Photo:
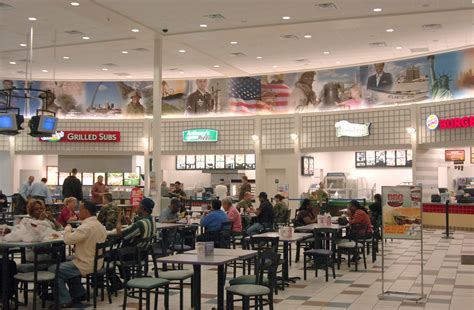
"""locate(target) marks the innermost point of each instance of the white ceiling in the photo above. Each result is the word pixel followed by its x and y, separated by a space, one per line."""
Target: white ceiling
pixel 256 25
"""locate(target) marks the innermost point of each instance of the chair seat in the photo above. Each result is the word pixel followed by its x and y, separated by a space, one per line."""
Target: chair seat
pixel 185 247
pixel 318 252
pixel 30 267
pixel 176 274
pixel 30 276
pixel 349 245
pixel 247 279
pixel 147 283
pixel 249 290
pixel 342 241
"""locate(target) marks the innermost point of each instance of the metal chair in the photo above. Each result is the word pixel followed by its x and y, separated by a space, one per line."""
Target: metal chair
pixel 323 251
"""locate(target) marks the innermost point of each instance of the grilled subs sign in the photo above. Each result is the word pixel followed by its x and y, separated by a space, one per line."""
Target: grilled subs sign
pixel 83 136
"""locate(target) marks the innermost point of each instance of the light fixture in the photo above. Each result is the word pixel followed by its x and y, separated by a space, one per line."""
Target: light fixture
pixel 181 72
pixel 23 45
pixel 410 130
pixel 233 42
pixel 124 52
pixel 307 36
pixel 12 63
pixel 398 47
pixel 105 69
pixel 326 53
pixel 129 76
pixel 377 10
pixel 259 57
pixel 135 30
pixel 203 25
pixel 255 138
pixel 44 71
pixel 182 51
pixel 216 66
pixel 86 38
pixel 75 3
pixel 294 136
pixel 286 17
pixel 389 30
pixel 32 19
pixel 338 62
pixel 66 57
pixel 275 66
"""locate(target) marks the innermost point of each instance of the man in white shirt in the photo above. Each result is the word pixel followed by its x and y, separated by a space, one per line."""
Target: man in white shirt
pixel 40 191
pixel 85 238
pixel 23 198
pixel 221 190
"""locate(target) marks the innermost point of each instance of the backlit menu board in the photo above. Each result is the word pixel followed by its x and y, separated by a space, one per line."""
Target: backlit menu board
pixel 216 162
pixel 87 178
pixel 52 175
pixel 454 155
pixel 115 178
pixel 131 179
pixel 307 165
pixel 390 158
pixel 62 177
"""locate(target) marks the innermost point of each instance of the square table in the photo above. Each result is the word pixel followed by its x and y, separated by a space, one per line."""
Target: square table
pixel 311 227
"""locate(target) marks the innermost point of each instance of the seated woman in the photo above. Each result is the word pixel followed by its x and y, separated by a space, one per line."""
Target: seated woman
pixel 280 209
pixel 306 214
pixel 39 216
pixel 358 214
pixel 68 212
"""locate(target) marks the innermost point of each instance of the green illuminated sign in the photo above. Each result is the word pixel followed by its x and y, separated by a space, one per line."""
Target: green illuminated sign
pixel 200 135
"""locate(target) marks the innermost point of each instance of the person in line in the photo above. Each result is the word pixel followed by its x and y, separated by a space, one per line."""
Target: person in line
pixel 3 201
pixel 84 238
pixel 306 214
pixel 281 209
pixel 212 222
pixel 165 191
pixel 221 190
pixel 244 187
pixel 39 190
pixel 265 216
pixel 108 213
pixel 376 211
pixel 320 195
pixel 68 211
pixel 170 214
pixel 178 191
pixel 98 190
pixel 233 215
pixel 245 205
pixel 72 186
pixel 143 227
pixel 358 214
pixel 23 197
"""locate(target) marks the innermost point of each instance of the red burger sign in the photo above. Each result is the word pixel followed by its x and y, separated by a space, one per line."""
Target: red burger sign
pixel 395 200
pixel 433 122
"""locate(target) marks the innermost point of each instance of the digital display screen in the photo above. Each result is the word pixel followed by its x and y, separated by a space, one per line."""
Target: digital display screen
pixel 131 179
pixel 115 178
pixel 47 124
pixel 7 122
pixel 87 178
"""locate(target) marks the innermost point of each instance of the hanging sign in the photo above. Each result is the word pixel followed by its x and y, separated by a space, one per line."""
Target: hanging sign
pixel 83 136
pixel 454 155
pixel 434 122
pixel 200 135
pixel 401 212
pixel 348 129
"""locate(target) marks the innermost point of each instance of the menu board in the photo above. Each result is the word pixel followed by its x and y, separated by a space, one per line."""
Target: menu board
pixel 220 162
pixel 454 155
pixel 98 174
pixel 230 161
pixel 200 162
pixel 131 179
pixel 87 178
pixel 180 162
pixel 250 161
pixel 216 162
pixel 391 158
pixel 210 161
pixel 62 177
pixel 240 161
pixel 115 178
pixel 190 162
pixel 52 175
pixel 307 165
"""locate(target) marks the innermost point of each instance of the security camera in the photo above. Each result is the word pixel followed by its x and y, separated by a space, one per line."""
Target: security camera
pixel 165 30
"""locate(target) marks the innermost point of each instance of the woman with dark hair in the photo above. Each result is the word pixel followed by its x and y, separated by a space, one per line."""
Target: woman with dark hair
pixel 306 214
pixel 358 214
pixel 376 210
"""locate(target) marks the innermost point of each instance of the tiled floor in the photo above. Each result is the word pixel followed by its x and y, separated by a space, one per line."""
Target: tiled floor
pixel 447 283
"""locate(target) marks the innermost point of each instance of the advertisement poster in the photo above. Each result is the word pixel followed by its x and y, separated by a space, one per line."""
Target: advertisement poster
pixel 283 189
pixel 401 215
pixel 454 155
pixel 439 77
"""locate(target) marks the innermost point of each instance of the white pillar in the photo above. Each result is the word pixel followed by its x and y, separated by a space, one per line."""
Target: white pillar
pixel 156 125
pixel 414 142
pixel 295 176
pixel 146 156
pixel 259 168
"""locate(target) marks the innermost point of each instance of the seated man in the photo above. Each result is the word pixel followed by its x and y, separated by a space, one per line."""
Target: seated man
pixel 245 205
pixel 170 214
pixel 233 215
pixel 212 222
pixel 265 216
pixel 108 213
pixel 85 237
pixel 143 227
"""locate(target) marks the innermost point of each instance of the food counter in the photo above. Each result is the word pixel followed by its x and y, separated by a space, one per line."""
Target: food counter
pixel 461 216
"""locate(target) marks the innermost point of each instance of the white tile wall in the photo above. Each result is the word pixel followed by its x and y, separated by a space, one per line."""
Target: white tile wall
pixel 276 133
pixel 4 143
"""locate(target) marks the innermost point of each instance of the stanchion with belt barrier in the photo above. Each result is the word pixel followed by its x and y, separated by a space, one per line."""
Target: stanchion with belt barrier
pixel 447 221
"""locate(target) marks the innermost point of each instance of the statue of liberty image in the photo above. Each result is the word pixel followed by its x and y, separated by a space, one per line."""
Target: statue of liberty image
pixel 439 86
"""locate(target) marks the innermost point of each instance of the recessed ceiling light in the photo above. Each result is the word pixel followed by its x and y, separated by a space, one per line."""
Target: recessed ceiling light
pixel 216 66
pixel 86 38
pixel 65 57
pixel 233 42
pixel 182 51
pixel 326 53
pixel 105 69
pixel 12 63
pixel 377 10
pixel 338 62
pixel 44 71
pixel 181 72
pixel 398 47
pixel 286 17
pixel 307 36
pixel 275 66
pixel 129 76
pixel 389 30
pixel 259 57
pixel 124 52
pixel 75 3
pixel 23 45
pixel 203 26
pixel 135 30
pixel 32 19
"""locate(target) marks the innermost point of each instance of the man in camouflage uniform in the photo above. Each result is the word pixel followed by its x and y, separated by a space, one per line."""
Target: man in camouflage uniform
pixel 108 213
pixel 245 205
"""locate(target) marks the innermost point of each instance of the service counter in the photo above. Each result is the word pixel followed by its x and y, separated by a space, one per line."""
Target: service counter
pixel 461 216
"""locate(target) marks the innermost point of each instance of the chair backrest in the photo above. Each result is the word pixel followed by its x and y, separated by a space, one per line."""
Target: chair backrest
pixel 325 238
pixel 264 243
pixel 103 253
pixel 55 253
pixel 129 262
pixel 358 231
pixel 267 264
pixel 225 234
pixel 187 235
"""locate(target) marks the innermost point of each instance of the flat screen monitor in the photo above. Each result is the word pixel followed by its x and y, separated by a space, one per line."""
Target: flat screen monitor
pixel 87 178
pixel 131 179
pixel 115 178
pixel 8 122
pixel 442 190
pixel 209 190
pixel 47 124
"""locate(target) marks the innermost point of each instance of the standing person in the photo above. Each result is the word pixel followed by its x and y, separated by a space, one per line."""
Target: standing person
pixel 376 211
pixel 232 214
pixel 165 191
pixel 72 186
pixel 244 187
pixel 320 195
pixel 40 191
pixel 108 213
pixel 3 201
pixel 85 238
pixel 281 209
pixel 380 80
pixel 178 191
pixel 265 216
pixel 98 190
pixel 23 197
pixel 200 101
pixel 68 211
pixel 143 227
pixel 221 190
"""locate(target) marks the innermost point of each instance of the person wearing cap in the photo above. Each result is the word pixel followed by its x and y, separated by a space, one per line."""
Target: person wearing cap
pixel 265 216
pixel 85 238
pixel 135 108
pixel 143 227
pixel 170 214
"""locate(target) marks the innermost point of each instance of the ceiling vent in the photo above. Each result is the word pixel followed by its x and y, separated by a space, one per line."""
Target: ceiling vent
pixel 141 49
pixel 175 69
pixel 419 49
pixel 238 54
pixel 432 26
pixel 303 60
pixel 327 6
pixel 5 6
pixel 110 65
pixel 122 74
pixel 378 44
pixel 73 32
pixel 216 16
pixel 21 72
pixel 289 37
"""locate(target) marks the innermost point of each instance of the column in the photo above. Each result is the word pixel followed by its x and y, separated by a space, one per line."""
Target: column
pixel 295 176
pixel 414 141
pixel 259 167
pixel 146 156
